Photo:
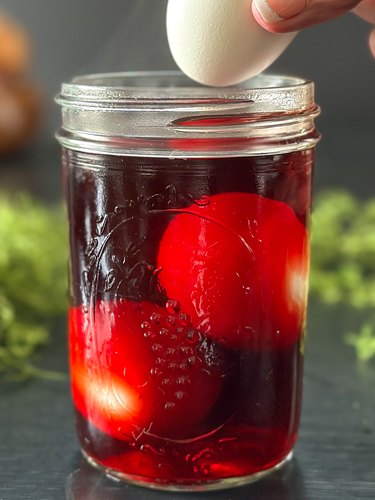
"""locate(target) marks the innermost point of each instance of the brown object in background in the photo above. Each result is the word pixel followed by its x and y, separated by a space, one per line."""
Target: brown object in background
pixel 19 98
pixel 19 113
pixel 14 47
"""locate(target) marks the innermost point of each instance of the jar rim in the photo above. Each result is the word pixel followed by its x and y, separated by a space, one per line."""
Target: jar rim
pixel 163 88
pixel 164 113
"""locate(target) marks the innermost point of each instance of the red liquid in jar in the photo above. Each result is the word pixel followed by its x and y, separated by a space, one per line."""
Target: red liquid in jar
pixel 176 383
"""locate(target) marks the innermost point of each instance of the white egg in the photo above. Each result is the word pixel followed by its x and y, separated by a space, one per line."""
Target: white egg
pixel 218 42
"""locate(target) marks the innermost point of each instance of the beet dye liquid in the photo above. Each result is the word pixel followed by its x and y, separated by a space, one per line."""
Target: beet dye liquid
pixel 188 299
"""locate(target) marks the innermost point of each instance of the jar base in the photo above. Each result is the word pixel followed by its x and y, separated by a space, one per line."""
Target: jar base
pixel 199 486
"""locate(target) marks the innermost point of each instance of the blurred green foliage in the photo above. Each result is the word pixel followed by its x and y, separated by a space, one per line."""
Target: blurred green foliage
pixel 343 250
pixel 33 272
pixel 343 260
pixel 33 276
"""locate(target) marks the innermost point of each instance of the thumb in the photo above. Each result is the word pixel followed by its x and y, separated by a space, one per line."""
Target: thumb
pixel 366 10
pixel 281 16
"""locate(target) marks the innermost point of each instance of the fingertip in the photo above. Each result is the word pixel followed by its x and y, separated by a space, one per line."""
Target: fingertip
pixel 269 20
pixel 372 42
pixel 264 12
pixel 258 18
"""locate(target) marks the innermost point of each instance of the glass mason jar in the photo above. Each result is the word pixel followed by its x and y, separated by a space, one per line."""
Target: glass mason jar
pixel 189 213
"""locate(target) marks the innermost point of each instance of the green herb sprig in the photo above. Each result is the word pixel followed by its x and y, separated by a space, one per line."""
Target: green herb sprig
pixel 33 280
pixel 343 260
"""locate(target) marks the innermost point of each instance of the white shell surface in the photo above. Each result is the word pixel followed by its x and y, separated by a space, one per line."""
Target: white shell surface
pixel 218 42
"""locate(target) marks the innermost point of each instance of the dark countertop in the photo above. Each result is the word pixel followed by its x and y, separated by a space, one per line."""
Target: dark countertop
pixel 334 457
pixel 335 453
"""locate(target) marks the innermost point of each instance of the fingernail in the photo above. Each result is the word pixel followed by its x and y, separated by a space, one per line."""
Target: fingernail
pixel 275 11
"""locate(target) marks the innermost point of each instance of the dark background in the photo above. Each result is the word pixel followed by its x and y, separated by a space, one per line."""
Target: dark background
pixel 75 37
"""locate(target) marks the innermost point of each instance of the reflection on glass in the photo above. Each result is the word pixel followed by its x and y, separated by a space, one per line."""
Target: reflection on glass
pixel 87 483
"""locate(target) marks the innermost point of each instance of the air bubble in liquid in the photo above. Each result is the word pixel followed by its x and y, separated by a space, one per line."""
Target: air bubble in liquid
pixel 179 395
pixel 184 319
pixel 156 318
pixel 193 336
pixel 169 405
pixel 172 306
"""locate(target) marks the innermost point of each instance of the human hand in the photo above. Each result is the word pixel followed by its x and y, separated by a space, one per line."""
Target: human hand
pixel 281 16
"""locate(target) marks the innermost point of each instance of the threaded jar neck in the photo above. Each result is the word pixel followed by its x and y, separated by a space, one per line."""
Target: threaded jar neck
pixel 164 114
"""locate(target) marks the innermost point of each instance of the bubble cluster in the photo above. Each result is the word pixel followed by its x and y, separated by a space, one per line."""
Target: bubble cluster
pixel 180 352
